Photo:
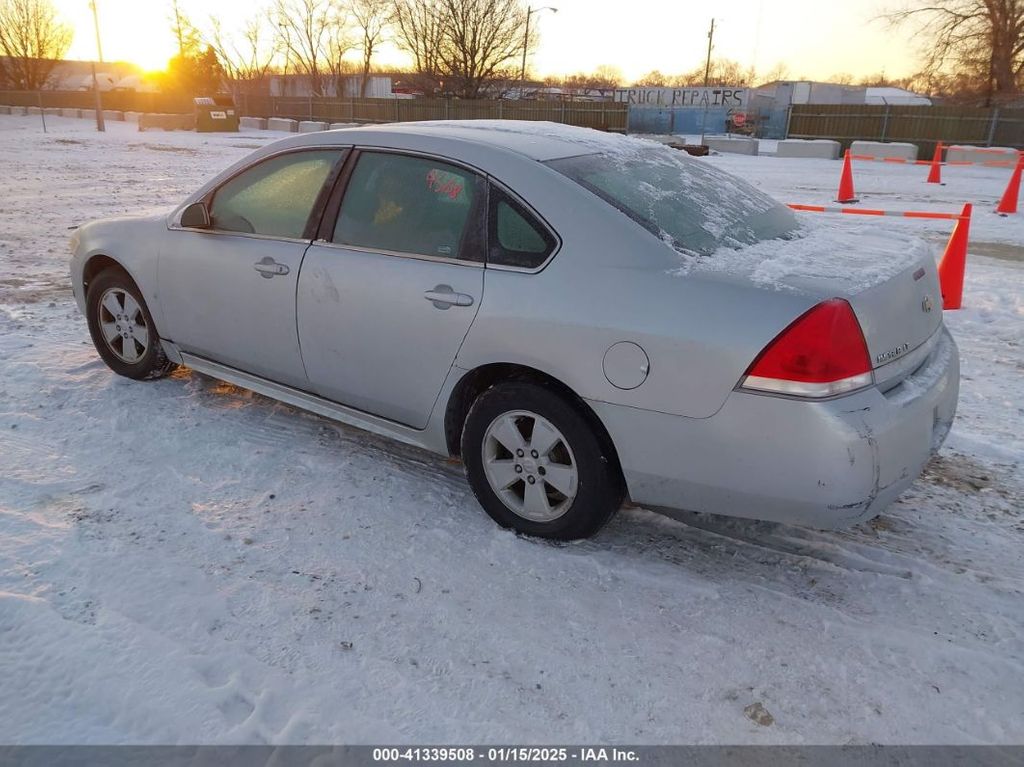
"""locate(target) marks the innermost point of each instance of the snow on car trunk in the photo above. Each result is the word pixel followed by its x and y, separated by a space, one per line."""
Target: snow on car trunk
pixel 890 279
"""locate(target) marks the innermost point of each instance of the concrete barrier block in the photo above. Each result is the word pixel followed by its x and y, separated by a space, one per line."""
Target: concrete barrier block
pixel 282 124
pixel 253 123
pixel 4 110
pixel 34 110
pixel 339 126
pixel 312 126
pixel 822 149
pixel 66 112
pixel 732 144
pixel 19 111
pixel 978 154
pixel 87 114
pixel 52 111
pixel 113 115
pixel 132 117
pixel 885 149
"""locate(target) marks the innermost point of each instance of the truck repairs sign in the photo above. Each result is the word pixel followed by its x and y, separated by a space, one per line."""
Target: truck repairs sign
pixel 719 96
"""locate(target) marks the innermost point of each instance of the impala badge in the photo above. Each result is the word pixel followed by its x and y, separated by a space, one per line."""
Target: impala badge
pixel 926 304
pixel 892 353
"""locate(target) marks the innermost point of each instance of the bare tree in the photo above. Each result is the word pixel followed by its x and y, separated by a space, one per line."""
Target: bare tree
pixel 779 72
pixel 246 57
pixel 976 36
pixel 372 18
pixel 33 39
pixel 607 76
pixel 480 37
pixel 468 45
pixel 952 88
pixel 653 79
pixel 723 72
pixel 882 80
pixel 195 69
pixel 187 33
pixel 339 68
pixel 418 29
pixel 604 78
pixel 313 35
pixel 339 42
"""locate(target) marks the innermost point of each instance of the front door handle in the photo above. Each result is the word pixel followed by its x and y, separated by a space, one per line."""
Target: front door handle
pixel 443 297
pixel 268 267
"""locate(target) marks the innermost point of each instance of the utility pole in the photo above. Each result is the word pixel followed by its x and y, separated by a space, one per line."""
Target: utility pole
pixel 177 29
pixel 100 125
pixel 707 66
pixel 707 78
pixel 526 44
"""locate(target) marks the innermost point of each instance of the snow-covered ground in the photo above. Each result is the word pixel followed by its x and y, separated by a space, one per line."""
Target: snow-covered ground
pixel 182 561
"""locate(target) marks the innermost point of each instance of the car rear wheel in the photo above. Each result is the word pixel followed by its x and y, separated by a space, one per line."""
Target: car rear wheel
pixel 122 328
pixel 536 464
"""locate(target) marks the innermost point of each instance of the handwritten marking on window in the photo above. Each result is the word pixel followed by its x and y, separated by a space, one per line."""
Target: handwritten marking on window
pixel 446 184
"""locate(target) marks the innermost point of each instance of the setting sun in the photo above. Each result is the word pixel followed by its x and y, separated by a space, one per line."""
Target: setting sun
pixel 136 32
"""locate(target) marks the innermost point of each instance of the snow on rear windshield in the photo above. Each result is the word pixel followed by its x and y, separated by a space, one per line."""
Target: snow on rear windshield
pixel 692 207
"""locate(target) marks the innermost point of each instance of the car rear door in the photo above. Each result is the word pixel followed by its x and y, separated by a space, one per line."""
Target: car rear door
pixel 228 292
pixel 391 287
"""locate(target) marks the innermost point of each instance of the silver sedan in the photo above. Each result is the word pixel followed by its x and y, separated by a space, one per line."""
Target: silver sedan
pixel 578 316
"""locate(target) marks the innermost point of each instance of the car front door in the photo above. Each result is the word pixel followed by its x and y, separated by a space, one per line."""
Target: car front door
pixel 387 296
pixel 228 291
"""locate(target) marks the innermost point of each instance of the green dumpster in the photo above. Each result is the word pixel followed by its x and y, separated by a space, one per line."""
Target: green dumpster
pixel 216 114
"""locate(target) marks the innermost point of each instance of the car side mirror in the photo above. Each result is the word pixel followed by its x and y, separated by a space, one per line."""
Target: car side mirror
pixel 196 216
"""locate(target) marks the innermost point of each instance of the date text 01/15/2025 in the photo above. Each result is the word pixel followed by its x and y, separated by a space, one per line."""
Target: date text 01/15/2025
pixel 504 754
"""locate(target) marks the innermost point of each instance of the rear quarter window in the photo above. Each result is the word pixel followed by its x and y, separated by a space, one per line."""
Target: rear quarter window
pixel 515 237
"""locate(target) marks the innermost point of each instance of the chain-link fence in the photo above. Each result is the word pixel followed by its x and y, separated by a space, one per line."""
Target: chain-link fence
pixel 921 125
pixel 122 101
pixel 604 115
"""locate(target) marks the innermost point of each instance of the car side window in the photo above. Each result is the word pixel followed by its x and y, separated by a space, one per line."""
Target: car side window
pixel 405 204
pixel 515 236
pixel 275 197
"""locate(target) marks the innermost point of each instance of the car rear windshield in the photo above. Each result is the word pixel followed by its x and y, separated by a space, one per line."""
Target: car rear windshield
pixel 692 207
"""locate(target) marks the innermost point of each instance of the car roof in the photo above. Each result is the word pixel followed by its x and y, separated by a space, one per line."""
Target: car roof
pixel 540 141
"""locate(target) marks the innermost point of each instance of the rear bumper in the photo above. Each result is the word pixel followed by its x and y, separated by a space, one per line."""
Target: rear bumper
pixel 820 464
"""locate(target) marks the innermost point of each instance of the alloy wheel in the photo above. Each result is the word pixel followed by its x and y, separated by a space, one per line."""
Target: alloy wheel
pixel 123 325
pixel 530 466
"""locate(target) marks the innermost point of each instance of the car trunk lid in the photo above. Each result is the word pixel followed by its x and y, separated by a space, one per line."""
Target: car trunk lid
pixel 900 313
pixel 889 278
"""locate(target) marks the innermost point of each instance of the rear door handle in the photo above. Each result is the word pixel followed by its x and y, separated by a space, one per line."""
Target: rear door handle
pixel 268 267
pixel 443 297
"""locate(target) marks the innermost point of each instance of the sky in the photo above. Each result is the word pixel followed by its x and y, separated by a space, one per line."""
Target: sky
pixel 813 39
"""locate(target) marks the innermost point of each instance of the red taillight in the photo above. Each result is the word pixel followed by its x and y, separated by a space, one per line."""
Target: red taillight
pixel 821 354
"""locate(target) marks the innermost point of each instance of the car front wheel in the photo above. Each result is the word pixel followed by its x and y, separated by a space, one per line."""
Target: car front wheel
pixel 122 327
pixel 536 464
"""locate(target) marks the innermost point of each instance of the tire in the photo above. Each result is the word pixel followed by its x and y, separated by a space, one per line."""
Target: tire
pixel 115 310
pixel 575 485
